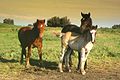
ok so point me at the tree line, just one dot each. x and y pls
(8, 21)
(58, 22)
(54, 22)
(116, 26)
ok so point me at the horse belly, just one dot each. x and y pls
(75, 45)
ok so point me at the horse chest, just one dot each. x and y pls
(37, 42)
(88, 46)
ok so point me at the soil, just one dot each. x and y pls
(92, 73)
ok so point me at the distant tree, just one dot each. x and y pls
(8, 21)
(57, 22)
(54, 22)
(116, 26)
(30, 25)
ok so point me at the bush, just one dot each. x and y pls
(116, 26)
(57, 22)
(8, 21)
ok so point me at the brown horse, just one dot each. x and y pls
(31, 36)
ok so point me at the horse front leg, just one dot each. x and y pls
(82, 61)
(70, 59)
(28, 57)
(85, 67)
(79, 60)
(40, 55)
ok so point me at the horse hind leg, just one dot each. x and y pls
(68, 58)
(64, 45)
(62, 56)
(23, 53)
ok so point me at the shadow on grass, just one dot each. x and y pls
(45, 64)
(3, 60)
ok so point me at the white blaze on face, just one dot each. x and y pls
(93, 32)
(41, 25)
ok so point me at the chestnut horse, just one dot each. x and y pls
(29, 37)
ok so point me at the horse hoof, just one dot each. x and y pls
(61, 71)
(70, 70)
(83, 73)
(21, 61)
(27, 66)
(40, 64)
(78, 71)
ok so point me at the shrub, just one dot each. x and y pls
(8, 21)
(58, 22)
(116, 26)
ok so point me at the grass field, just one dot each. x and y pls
(103, 61)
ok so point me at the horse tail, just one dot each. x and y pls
(58, 34)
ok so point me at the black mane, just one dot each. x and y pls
(71, 28)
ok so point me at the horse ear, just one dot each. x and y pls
(44, 20)
(82, 14)
(89, 14)
(96, 26)
(37, 20)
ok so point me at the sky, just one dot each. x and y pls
(104, 13)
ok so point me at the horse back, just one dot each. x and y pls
(23, 29)
(71, 28)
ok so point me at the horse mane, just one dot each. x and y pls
(71, 28)
(35, 29)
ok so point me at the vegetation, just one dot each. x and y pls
(8, 21)
(116, 26)
(58, 22)
(105, 53)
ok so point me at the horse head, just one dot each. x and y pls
(93, 33)
(86, 22)
(40, 25)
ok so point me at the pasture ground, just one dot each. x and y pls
(103, 61)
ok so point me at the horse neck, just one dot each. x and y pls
(87, 36)
(35, 32)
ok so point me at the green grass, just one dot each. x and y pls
(106, 48)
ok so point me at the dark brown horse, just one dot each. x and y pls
(31, 37)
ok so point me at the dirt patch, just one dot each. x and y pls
(36, 73)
